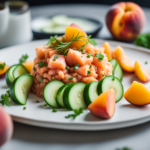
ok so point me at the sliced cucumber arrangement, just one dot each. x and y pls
(60, 93)
(117, 70)
(50, 92)
(73, 96)
(20, 87)
(111, 82)
(9, 75)
(19, 70)
(90, 92)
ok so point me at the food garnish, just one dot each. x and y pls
(23, 58)
(77, 112)
(2, 66)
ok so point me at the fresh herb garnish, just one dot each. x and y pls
(113, 78)
(99, 56)
(54, 110)
(76, 67)
(90, 67)
(35, 75)
(88, 72)
(5, 99)
(2, 66)
(92, 41)
(70, 78)
(45, 104)
(124, 148)
(77, 112)
(46, 64)
(146, 62)
(103, 75)
(76, 76)
(88, 55)
(23, 58)
(67, 67)
(41, 80)
(34, 69)
(55, 57)
(24, 108)
(37, 101)
(41, 64)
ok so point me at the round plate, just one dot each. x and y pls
(38, 23)
(38, 115)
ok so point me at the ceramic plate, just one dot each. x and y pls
(38, 115)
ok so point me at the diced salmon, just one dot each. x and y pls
(99, 50)
(88, 79)
(40, 53)
(47, 52)
(83, 70)
(51, 53)
(47, 76)
(44, 69)
(36, 61)
(57, 77)
(61, 74)
(59, 63)
(93, 72)
(89, 49)
(75, 57)
(52, 72)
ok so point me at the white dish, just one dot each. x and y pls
(38, 115)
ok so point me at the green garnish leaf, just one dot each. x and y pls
(124, 148)
(24, 108)
(55, 57)
(113, 78)
(37, 101)
(23, 58)
(52, 39)
(88, 55)
(34, 69)
(70, 78)
(92, 41)
(54, 110)
(99, 56)
(45, 104)
(88, 72)
(90, 67)
(76, 67)
(77, 112)
(41, 79)
(41, 64)
(2, 66)
(67, 67)
(146, 62)
(35, 75)
(5, 99)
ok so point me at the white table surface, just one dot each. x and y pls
(27, 137)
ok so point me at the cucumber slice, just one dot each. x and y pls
(9, 75)
(114, 64)
(19, 70)
(59, 95)
(90, 92)
(117, 70)
(111, 82)
(73, 96)
(50, 92)
(20, 87)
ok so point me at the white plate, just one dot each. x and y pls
(39, 115)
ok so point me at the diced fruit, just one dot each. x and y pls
(141, 72)
(6, 126)
(2, 72)
(104, 105)
(57, 63)
(75, 57)
(111, 82)
(107, 50)
(28, 65)
(123, 59)
(83, 70)
(137, 94)
(72, 31)
(40, 53)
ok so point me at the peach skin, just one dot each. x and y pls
(3, 71)
(141, 72)
(72, 31)
(137, 94)
(123, 59)
(125, 20)
(104, 105)
(107, 50)
(6, 126)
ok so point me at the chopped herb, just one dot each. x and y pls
(88, 55)
(41, 80)
(99, 56)
(54, 110)
(8, 93)
(63, 39)
(2, 66)
(92, 41)
(55, 57)
(41, 64)
(45, 104)
(82, 56)
(37, 101)
(52, 40)
(146, 62)
(5, 99)
(76, 67)
(103, 75)
(53, 78)
(67, 67)
(88, 72)
(34, 69)
(46, 64)
(113, 78)
(77, 112)
(76, 76)
(23, 58)
(70, 78)
(24, 108)
(124, 148)
(35, 75)
(90, 66)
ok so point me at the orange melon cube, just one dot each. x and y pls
(107, 50)
(28, 65)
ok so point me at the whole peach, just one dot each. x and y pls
(125, 20)
(6, 126)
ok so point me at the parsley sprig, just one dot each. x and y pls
(77, 112)
(5, 99)
(2, 66)
(23, 58)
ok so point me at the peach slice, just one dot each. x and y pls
(107, 50)
(137, 94)
(104, 105)
(28, 65)
(123, 59)
(72, 31)
(141, 72)
(2, 72)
